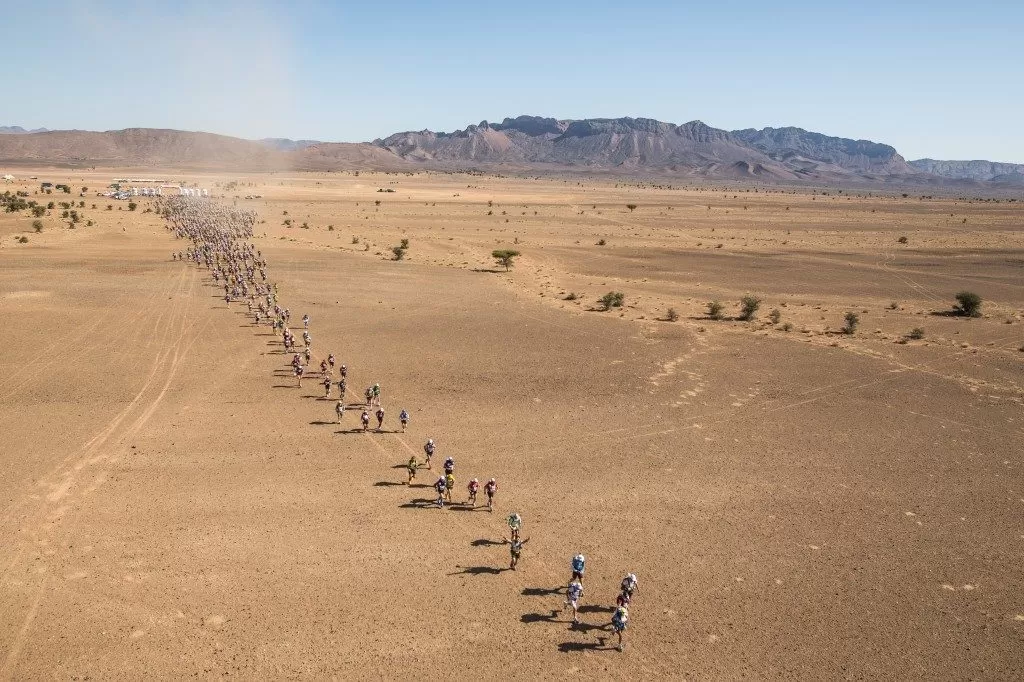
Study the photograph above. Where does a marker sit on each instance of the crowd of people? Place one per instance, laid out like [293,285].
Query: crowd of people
[219,242]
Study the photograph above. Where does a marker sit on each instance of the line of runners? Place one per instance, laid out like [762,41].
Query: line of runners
[219,242]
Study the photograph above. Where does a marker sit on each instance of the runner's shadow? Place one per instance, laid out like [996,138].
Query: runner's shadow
[541,591]
[593,608]
[570,647]
[540,617]
[486,542]
[587,627]
[358,429]
[421,503]
[322,423]
[479,570]
[459,506]
[284,386]
[387,484]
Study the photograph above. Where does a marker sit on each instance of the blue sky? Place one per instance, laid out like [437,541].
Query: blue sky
[940,79]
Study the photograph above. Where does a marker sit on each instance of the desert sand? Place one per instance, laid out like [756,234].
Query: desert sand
[801,503]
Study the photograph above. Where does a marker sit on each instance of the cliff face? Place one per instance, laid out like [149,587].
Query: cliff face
[790,145]
[980,171]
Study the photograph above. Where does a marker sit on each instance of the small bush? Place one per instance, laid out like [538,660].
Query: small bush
[37,225]
[902,240]
[110,207]
[775,315]
[50,205]
[330,228]
[601,242]
[405,243]
[894,306]
[672,315]
[398,251]
[132,206]
[787,327]
[852,319]
[613,299]
[916,334]
[23,239]
[88,223]
[355,240]
[968,304]
[748,307]
[715,310]
[305,226]
[571,297]
[38,211]
[631,207]
[505,257]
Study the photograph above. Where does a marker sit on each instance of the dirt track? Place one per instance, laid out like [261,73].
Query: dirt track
[795,503]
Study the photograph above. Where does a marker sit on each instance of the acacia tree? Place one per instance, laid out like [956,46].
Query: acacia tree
[505,257]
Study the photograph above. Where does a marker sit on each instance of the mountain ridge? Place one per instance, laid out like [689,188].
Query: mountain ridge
[624,145]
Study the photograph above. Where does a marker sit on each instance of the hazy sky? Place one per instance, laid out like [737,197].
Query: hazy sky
[939,79]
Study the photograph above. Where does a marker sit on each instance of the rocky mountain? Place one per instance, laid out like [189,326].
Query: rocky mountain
[18,130]
[980,171]
[527,143]
[624,144]
[802,149]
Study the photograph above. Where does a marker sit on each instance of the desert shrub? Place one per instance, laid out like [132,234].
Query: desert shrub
[65,214]
[38,211]
[775,315]
[132,206]
[902,240]
[94,208]
[110,207]
[355,240]
[787,327]
[23,239]
[571,296]
[81,204]
[50,205]
[715,310]
[405,243]
[748,307]
[287,222]
[672,315]
[330,228]
[968,304]
[601,242]
[377,202]
[398,251]
[631,207]
[505,257]
[88,224]
[851,320]
[916,333]
[894,306]
[37,225]
[305,226]
[613,299]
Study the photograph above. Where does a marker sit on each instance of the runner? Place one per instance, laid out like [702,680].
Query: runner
[305,321]
[572,598]
[473,487]
[515,524]
[490,489]
[344,372]
[380,418]
[339,409]
[620,620]
[369,396]
[428,448]
[449,486]
[327,387]
[298,372]
[365,418]
[515,548]
[412,466]
[440,487]
[330,361]
[578,565]
[403,417]
[449,465]
[627,589]
[376,393]
[341,389]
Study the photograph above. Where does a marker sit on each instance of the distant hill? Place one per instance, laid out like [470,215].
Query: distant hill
[624,146]
[285,145]
[973,170]
[18,130]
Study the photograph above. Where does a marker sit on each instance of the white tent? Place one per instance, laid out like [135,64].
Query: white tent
[8,178]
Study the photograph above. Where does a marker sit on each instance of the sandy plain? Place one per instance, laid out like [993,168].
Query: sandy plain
[799,503]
